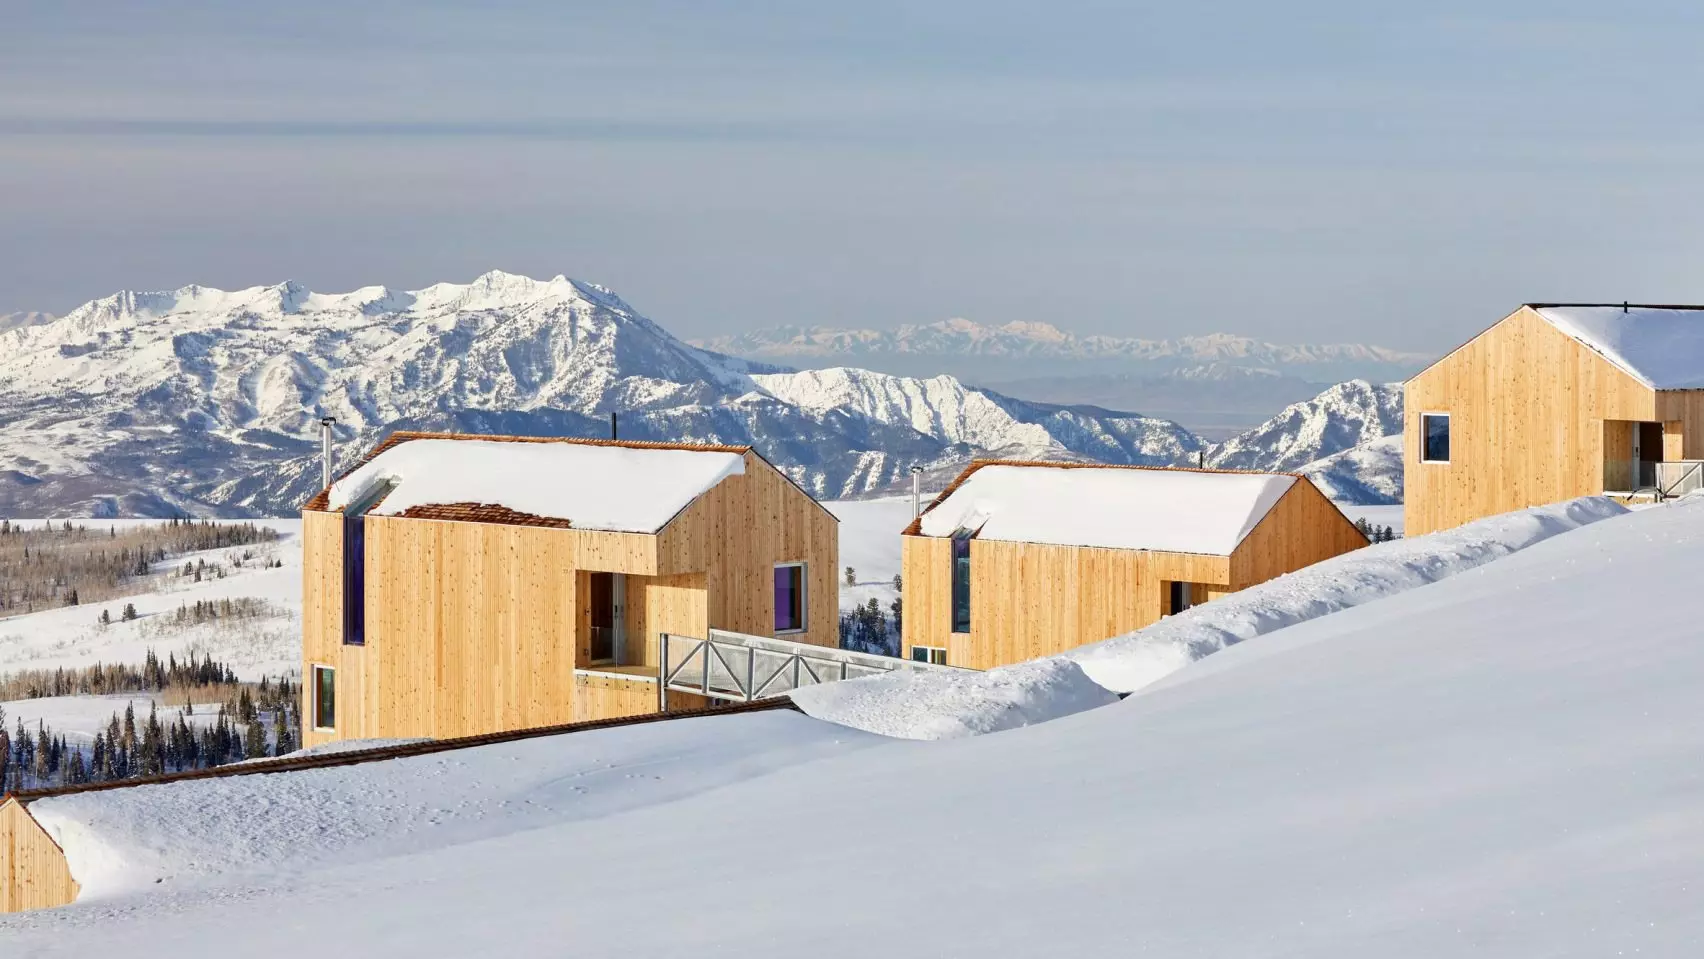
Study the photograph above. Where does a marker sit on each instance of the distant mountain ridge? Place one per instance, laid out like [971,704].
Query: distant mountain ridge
[204,400]
[1032,339]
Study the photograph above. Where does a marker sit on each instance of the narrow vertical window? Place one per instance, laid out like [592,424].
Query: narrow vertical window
[325,697]
[961,582]
[1434,437]
[355,564]
[790,598]
[355,580]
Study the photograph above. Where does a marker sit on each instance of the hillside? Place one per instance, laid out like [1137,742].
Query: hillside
[1463,768]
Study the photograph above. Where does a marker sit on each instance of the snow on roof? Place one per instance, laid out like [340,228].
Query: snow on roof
[1177,511]
[1662,347]
[593,486]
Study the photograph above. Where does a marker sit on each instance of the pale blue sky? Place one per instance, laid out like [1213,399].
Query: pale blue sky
[1328,171]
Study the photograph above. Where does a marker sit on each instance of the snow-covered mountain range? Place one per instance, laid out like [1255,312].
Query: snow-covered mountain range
[208,401]
[964,337]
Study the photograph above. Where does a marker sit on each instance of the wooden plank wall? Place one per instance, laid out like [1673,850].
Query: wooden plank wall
[1302,528]
[1528,405]
[738,532]
[33,870]
[606,697]
[1030,600]
[477,627]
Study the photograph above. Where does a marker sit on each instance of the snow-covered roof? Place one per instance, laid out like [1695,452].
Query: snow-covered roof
[1662,347]
[1172,510]
[624,488]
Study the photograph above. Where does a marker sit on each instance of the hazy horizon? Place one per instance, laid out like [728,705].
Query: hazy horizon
[1333,175]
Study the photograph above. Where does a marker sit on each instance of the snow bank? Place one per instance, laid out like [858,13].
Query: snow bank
[952,705]
[1664,349]
[1180,511]
[595,487]
[1134,660]
[283,823]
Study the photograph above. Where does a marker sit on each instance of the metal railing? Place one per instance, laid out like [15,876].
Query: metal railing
[735,667]
[1658,479]
[1678,477]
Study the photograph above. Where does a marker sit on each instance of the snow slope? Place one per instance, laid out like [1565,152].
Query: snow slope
[1345,416]
[1180,511]
[595,487]
[1369,474]
[1503,763]
[70,636]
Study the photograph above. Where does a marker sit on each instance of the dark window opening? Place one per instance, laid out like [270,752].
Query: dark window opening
[1180,599]
[929,654]
[325,697]
[961,582]
[355,565]
[1434,437]
[790,598]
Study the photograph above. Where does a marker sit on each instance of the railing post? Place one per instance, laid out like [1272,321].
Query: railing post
[751,674]
[663,673]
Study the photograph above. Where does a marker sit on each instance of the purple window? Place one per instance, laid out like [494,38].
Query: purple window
[790,598]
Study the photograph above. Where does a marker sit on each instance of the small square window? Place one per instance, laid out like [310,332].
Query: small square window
[325,697]
[935,655]
[1434,437]
[790,598]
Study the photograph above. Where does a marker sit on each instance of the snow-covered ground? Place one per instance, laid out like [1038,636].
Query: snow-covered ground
[870,544]
[78,718]
[1501,763]
[71,637]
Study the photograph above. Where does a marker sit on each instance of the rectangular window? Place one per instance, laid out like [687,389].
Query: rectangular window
[1434,437]
[929,654]
[1180,598]
[790,598]
[355,564]
[961,582]
[325,697]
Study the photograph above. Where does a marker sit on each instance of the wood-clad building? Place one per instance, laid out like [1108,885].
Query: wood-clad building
[1017,560]
[1552,402]
[33,871]
[457,585]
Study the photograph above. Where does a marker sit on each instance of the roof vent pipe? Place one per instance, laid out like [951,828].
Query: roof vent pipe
[613,434]
[916,491]
[326,423]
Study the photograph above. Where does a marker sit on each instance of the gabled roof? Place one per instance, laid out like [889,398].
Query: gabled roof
[1660,346]
[563,482]
[1166,509]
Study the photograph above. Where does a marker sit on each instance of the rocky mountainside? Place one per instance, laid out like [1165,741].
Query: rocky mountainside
[202,400]
[1367,474]
[1344,416]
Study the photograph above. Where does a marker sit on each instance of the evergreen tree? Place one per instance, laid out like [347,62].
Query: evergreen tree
[254,739]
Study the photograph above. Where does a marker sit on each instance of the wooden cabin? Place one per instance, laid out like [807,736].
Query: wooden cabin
[1017,560]
[457,585]
[1552,402]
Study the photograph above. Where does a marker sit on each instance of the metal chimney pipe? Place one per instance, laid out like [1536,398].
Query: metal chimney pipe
[326,423]
[613,433]
[916,491]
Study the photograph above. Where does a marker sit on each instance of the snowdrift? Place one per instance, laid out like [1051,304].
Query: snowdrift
[285,823]
[953,705]
[1129,662]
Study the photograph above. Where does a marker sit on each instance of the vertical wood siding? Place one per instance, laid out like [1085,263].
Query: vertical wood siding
[478,627]
[1030,600]
[1527,406]
[33,870]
